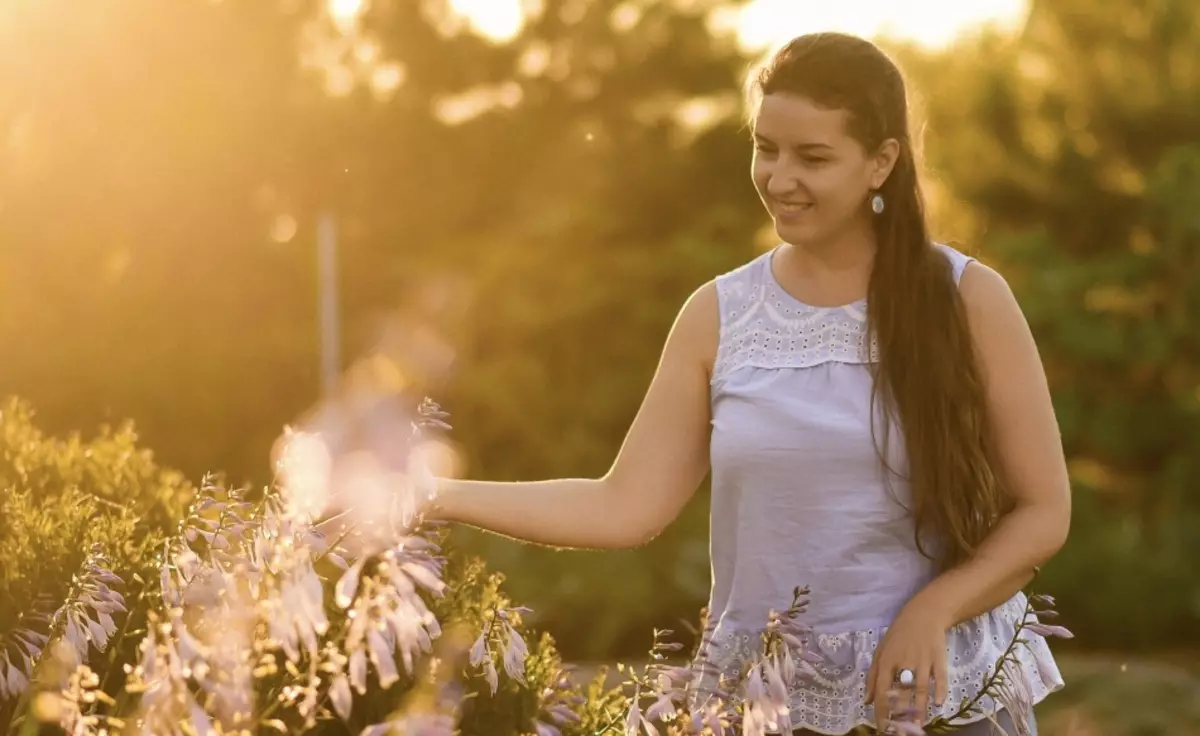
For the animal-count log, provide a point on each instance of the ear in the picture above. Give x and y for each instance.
(884, 161)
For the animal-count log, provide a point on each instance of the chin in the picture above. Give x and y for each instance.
(796, 234)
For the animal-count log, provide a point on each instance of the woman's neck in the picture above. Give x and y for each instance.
(846, 255)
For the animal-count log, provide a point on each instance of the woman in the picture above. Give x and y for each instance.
(915, 528)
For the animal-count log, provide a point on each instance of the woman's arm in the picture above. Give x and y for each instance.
(1030, 452)
(660, 464)
(1031, 459)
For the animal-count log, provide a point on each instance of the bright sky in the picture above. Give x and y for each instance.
(932, 23)
(765, 23)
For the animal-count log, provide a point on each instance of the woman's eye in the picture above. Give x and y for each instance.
(815, 161)
(763, 148)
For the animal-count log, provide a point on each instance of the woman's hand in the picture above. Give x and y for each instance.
(915, 641)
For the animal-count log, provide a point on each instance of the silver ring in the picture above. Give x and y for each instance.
(905, 677)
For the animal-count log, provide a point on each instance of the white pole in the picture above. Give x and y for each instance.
(328, 301)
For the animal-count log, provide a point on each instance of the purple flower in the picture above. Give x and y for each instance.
(544, 729)
(358, 670)
(634, 719)
(478, 650)
(788, 666)
(1014, 696)
(489, 673)
(562, 714)
(662, 707)
(905, 728)
(755, 722)
(12, 680)
(777, 693)
(381, 657)
(1049, 630)
(514, 661)
(347, 585)
(339, 695)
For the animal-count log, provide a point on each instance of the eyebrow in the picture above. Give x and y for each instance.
(800, 147)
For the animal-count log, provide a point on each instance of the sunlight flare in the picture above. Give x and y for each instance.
(498, 20)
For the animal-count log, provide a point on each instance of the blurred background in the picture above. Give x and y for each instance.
(209, 207)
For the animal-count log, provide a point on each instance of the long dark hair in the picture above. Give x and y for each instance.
(927, 376)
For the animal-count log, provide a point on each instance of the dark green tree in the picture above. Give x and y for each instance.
(1071, 149)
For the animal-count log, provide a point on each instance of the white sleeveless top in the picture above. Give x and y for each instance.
(799, 499)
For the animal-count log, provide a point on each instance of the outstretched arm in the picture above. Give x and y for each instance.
(660, 464)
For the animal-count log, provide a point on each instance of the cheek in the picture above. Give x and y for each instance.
(836, 186)
(760, 174)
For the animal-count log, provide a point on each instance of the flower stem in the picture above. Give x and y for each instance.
(943, 722)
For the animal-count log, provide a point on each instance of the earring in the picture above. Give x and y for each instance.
(877, 204)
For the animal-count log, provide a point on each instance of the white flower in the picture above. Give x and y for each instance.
(478, 650)
(489, 673)
(339, 695)
(381, 657)
(358, 671)
(513, 657)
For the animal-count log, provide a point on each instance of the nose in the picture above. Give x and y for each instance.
(783, 179)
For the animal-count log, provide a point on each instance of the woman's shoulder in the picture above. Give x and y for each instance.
(741, 283)
(959, 259)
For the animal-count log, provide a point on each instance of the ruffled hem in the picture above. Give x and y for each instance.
(827, 696)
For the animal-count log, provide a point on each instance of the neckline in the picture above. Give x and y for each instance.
(856, 305)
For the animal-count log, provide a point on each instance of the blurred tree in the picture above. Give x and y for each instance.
(545, 204)
(1074, 147)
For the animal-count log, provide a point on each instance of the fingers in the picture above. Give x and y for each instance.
(881, 685)
(923, 673)
(941, 681)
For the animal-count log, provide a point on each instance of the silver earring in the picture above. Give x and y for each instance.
(877, 204)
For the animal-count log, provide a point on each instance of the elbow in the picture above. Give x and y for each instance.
(1060, 515)
(633, 536)
(1054, 529)
(1058, 538)
(635, 522)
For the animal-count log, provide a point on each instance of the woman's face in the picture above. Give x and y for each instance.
(812, 176)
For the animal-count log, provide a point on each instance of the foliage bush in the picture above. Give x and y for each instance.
(68, 503)
(107, 562)
(246, 615)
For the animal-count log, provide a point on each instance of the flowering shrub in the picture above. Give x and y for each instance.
(77, 519)
(329, 604)
(245, 615)
(698, 699)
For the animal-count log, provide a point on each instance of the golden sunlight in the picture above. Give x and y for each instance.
(499, 20)
(764, 23)
(930, 23)
(345, 11)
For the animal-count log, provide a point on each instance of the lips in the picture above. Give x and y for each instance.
(792, 208)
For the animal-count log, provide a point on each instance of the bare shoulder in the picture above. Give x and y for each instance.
(1018, 395)
(981, 284)
(697, 327)
(988, 298)
(998, 326)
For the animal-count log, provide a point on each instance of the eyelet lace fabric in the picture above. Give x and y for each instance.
(764, 327)
(798, 497)
(828, 697)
